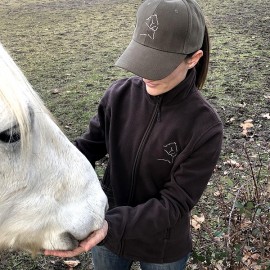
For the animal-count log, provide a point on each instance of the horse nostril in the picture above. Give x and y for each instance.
(69, 240)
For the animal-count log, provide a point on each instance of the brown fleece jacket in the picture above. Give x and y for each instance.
(162, 152)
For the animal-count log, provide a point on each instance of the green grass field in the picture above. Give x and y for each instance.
(67, 50)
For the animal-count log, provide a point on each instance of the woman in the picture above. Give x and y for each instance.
(163, 140)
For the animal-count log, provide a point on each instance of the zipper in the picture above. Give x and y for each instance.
(155, 115)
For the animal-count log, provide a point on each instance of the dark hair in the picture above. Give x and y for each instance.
(202, 65)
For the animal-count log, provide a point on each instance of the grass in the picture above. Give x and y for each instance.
(67, 49)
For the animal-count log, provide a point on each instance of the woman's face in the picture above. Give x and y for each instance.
(155, 88)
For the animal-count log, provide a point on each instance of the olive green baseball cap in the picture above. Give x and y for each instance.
(166, 31)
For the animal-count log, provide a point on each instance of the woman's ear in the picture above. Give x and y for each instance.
(194, 59)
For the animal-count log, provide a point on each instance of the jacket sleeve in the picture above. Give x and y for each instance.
(92, 143)
(191, 173)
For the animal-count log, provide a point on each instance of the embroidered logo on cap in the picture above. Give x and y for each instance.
(152, 24)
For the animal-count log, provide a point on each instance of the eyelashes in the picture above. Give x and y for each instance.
(10, 135)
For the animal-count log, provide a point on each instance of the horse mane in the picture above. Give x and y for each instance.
(19, 97)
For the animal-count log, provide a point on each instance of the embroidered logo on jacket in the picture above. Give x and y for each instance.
(171, 151)
(152, 24)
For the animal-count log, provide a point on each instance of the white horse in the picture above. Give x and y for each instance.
(50, 196)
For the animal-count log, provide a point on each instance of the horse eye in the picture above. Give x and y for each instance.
(9, 136)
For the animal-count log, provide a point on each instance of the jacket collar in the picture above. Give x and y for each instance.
(179, 92)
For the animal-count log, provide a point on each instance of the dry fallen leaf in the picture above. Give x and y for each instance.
(246, 125)
(55, 91)
(245, 224)
(196, 221)
(232, 163)
(72, 264)
(266, 115)
(219, 265)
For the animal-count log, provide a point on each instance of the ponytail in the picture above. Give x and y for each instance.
(203, 64)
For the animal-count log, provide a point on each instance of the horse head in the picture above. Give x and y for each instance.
(50, 195)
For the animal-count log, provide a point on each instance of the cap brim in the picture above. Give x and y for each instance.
(147, 62)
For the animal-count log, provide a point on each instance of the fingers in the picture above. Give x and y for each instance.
(91, 241)
(84, 246)
(68, 254)
(96, 237)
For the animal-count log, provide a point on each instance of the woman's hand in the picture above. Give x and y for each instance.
(92, 240)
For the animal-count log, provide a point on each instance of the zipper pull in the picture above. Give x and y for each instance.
(158, 104)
